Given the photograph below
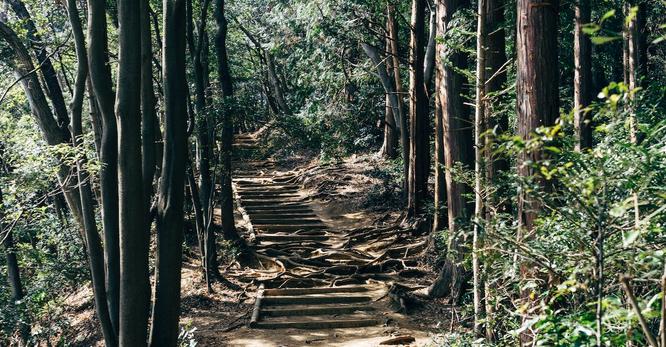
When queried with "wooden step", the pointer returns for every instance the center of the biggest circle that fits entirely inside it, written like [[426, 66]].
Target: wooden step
[[278, 215], [287, 227], [290, 311], [315, 290], [290, 238], [285, 221], [328, 324], [268, 202], [310, 300]]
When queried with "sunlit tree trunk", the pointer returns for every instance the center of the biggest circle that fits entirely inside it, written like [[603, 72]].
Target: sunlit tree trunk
[[134, 236], [166, 308], [456, 145], [100, 77], [537, 102], [631, 67], [38, 45], [389, 124], [418, 113], [582, 76]]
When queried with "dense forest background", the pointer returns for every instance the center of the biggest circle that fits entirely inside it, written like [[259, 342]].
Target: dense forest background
[[529, 137]]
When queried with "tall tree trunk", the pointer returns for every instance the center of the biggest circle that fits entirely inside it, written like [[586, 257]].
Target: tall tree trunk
[[53, 89], [149, 122], [166, 309], [401, 115], [479, 167], [582, 76], [429, 63], [632, 59], [134, 237], [418, 112], [389, 124], [456, 140], [537, 100], [100, 78], [224, 76], [93, 240]]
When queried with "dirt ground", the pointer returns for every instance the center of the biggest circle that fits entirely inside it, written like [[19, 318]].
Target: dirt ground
[[338, 194]]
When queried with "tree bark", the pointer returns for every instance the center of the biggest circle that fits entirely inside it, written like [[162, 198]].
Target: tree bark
[[54, 91], [224, 76], [389, 124], [582, 76], [100, 78], [149, 122], [401, 116], [134, 238], [418, 113], [631, 67], [537, 100], [456, 143], [13, 272], [166, 308]]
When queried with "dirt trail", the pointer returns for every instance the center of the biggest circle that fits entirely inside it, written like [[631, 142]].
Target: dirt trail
[[318, 284]]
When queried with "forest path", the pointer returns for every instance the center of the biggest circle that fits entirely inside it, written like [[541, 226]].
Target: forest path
[[285, 229]]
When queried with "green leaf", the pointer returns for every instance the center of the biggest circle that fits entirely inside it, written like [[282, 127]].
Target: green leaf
[[607, 15], [600, 40]]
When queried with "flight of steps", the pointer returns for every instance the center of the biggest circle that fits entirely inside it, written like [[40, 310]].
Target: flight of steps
[[282, 220]]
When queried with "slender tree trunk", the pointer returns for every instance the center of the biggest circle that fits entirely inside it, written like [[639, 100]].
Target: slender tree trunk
[[224, 76], [390, 130], [536, 100], [632, 59], [13, 272], [479, 168], [166, 308], [53, 89], [93, 240], [134, 237], [401, 115], [582, 76], [456, 143], [149, 122], [100, 77], [429, 63], [418, 112]]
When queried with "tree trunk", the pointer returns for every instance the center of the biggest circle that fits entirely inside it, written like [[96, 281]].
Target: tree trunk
[[93, 240], [389, 124], [149, 122], [537, 100], [429, 64], [582, 76], [479, 168], [401, 116], [224, 76], [13, 273], [456, 140], [418, 113], [53, 89], [166, 308], [632, 59], [134, 238], [100, 77]]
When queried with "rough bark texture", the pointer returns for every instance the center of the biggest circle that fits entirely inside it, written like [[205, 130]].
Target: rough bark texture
[[13, 273], [134, 238], [456, 140], [166, 308], [389, 124], [100, 78], [536, 98], [224, 75], [418, 113], [582, 76]]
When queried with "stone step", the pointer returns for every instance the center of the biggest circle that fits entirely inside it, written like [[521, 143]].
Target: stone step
[[285, 215], [312, 300], [268, 202], [281, 208], [285, 221]]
